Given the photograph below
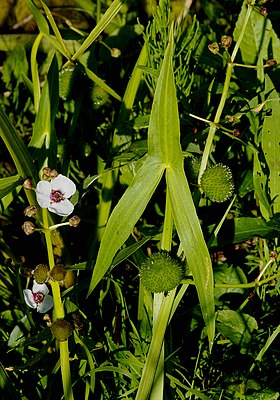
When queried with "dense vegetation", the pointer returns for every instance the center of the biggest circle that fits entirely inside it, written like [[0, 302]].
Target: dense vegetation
[[140, 207]]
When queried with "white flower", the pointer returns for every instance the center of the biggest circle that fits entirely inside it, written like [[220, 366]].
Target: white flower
[[38, 297], [54, 195]]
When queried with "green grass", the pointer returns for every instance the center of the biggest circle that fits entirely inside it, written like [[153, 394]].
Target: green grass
[[121, 97]]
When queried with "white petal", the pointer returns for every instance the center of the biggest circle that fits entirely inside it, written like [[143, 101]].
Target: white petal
[[43, 192], [63, 208], [40, 287], [29, 299], [64, 185], [46, 304]]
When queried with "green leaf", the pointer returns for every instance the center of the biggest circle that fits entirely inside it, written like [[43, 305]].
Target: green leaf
[[271, 144], [239, 230], [259, 38], [9, 389], [229, 276], [55, 29], [43, 141], [193, 244], [110, 13], [19, 332], [19, 152], [236, 326], [7, 185], [264, 395], [44, 27], [125, 215], [15, 64], [164, 142]]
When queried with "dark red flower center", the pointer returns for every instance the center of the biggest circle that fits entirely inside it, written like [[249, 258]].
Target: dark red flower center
[[38, 297], [56, 196]]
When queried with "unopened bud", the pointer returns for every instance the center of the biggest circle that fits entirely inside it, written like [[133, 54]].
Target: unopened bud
[[30, 211], [41, 273], [28, 227], [46, 171], [53, 173], [273, 254], [231, 118], [214, 48], [61, 329], [115, 53], [271, 63], [263, 11], [27, 184], [226, 41], [236, 132], [74, 221]]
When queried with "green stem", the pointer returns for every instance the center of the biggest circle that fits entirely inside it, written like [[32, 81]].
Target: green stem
[[59, 313], [152, 380], [230, 66], [243, 30], [213, 127], [151, 364]]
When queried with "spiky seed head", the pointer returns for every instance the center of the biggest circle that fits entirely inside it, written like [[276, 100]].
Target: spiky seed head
[[161, 272], [217, 183], [41, 273], [61, 329]]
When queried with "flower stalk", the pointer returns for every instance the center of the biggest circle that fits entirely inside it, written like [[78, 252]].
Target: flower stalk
[[59, 313], [230, 67]]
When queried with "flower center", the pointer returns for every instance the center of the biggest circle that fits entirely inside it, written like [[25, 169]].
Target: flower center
[[56, 196], [38, 297]]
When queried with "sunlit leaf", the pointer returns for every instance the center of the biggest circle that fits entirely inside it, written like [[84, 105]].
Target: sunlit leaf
[[271, 144], [125, 215], [43, 141], [8, 184], [237, 327]]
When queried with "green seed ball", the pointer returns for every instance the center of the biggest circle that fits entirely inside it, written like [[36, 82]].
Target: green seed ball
[[41, 273], [61, 329], [217, 183], [99, 96], [193, 167], [161, 272], [67, 80]]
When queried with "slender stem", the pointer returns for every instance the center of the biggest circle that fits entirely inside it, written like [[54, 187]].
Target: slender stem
[[243, 30], [213, 127], [240, 285], [151, 364], [230, 66], [152, 380], [59, 313]]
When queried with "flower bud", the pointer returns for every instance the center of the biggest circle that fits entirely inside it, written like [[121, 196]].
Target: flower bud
[[30, 211], [226, 41], [263, 11], [53, 173], [236, 132], [27, 184], [61, 329], [271, 63], [74, 221], [214, 48], [41, 273], [46, 171], [115, 53], [28, 227]]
